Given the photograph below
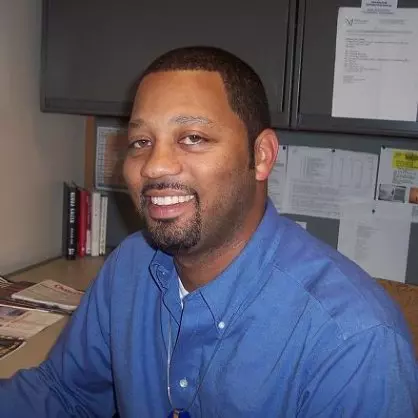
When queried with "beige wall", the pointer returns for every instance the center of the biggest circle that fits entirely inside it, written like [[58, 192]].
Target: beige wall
[[37, 151]]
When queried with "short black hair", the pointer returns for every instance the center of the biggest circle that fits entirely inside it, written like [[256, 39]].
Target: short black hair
[[245, 91]]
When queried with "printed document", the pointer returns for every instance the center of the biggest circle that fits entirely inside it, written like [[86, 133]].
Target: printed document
[[320, 180], [277, 178], [375, 235], [376, 62]]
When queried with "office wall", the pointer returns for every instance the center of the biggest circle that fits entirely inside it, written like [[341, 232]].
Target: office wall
[[37, 151], [123, 220]]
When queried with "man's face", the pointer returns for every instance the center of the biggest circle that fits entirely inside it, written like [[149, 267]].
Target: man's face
[[188, 164]]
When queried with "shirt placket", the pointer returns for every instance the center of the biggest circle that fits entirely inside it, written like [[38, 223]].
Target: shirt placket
[[188, 362]]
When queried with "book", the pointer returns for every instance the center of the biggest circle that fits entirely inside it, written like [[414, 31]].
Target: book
[[82, 221], [103, 225], [69, 224], [88, 227], [50, 293], [95, 223]]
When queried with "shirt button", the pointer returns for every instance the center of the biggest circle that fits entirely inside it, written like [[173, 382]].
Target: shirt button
[[184, 383], [161, 272], [221, 325]]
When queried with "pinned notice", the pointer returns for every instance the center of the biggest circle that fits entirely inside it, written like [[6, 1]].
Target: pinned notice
[[375, 73], [320, 180], [375, 235], [277, 178], [379, 6], [397, 179]]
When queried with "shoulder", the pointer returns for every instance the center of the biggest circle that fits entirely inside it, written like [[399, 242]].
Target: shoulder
[[134, 243], [133, 250], [132, 256], [344, 294]]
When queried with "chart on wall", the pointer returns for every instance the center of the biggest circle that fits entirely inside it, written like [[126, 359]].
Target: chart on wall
[[111, 142]]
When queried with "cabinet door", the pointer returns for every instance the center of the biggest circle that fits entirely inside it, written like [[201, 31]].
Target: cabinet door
[[313, 88], [93, 51]]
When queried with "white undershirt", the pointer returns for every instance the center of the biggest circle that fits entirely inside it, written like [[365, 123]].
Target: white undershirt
[[182, 291]]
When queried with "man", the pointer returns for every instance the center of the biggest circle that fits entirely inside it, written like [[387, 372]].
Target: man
[[223, 308]]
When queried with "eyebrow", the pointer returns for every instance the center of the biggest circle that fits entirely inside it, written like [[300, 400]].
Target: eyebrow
[[135, 123], [184, 120], [191, 120]]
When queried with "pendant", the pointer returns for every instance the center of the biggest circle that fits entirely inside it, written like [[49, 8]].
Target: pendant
[[179, 413]]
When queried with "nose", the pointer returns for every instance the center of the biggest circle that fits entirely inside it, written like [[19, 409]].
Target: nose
[[160, 162]]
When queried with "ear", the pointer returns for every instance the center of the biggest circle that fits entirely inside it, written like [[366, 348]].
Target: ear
[[266, 148]]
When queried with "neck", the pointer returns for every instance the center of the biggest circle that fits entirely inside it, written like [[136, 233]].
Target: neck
[[196, 269]]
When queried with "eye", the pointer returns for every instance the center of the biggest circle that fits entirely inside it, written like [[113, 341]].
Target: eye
[[139, 144], [192, 140]]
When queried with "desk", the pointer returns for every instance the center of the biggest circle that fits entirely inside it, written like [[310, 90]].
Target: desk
[[77, 274]]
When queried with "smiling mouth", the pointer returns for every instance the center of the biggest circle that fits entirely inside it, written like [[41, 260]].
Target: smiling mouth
[[170, 200]]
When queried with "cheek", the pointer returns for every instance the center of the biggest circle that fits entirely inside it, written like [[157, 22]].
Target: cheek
[[218, 179], [132, 173]]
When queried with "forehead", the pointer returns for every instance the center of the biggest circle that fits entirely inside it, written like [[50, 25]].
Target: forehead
[[169, 93]]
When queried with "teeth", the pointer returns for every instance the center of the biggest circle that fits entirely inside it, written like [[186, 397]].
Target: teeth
[[170, 200]]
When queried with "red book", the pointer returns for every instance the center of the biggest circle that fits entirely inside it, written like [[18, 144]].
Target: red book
[[82, 222]]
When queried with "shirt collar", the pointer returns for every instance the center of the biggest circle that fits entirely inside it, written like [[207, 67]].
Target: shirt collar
[[226, 294]]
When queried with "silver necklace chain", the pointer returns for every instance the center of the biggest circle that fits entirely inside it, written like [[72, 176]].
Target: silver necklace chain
[[169, 356]]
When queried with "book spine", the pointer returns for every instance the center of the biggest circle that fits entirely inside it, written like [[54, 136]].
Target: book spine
[[65, 218], [69, 222], [95, 223], [88, 227], [82, 222], [103, 225], [72, 225]]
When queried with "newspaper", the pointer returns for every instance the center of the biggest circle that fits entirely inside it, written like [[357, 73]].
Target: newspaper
[[23, 323], [8, 288], [9, 344], [50, 293]]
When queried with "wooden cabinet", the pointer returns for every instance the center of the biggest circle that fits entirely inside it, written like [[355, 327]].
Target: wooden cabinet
[[93, 51], [314, 67]]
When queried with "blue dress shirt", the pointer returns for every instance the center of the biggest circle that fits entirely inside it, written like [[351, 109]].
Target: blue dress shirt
[[290, 329]]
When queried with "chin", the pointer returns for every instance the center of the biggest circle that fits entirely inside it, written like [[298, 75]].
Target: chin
[[171, 239]]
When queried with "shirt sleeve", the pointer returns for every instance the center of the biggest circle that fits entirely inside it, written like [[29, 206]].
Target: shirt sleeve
[[372, 374], [76, 378]]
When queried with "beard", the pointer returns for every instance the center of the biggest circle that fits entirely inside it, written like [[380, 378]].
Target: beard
[[170, 235], [201, 231]]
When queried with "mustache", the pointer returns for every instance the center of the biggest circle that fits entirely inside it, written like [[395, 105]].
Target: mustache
[[165, 185]]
